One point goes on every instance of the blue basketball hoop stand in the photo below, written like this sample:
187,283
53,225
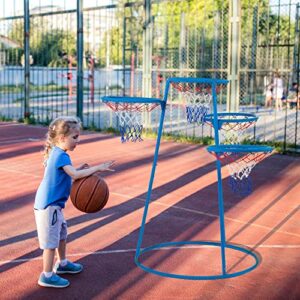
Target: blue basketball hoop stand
217,148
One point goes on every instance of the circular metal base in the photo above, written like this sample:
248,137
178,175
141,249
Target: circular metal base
196,277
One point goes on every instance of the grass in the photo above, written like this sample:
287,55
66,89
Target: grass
40,88
51,87
5,119
291,149
153,135
278,146
180,138
205,141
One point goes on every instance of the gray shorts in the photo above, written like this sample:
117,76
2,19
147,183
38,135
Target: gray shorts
51,226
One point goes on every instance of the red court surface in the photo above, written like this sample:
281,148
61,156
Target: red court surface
184,207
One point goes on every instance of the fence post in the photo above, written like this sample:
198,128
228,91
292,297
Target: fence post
253,57
147,50
182,46
297,53
79,102
234,49
26,60
124,54
216,41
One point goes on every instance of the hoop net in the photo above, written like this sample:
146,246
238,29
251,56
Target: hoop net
231,128
197,98
131,107
130,118
240,165
130,126
239,159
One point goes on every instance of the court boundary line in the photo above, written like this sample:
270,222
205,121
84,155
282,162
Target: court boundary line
120,251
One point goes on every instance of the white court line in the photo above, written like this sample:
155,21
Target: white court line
210,215
20,141
20,172
15,261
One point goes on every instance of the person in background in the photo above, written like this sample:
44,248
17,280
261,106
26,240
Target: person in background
293,98
268,93
277,92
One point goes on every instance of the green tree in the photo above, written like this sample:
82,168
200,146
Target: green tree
16,32
112,45
49,48
46,46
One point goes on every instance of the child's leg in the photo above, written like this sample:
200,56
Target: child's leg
278,103
47,277
61,250
63,266
268,101
48,259
48,228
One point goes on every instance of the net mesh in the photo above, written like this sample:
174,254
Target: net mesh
197,99
131,107
130,126
241,187
231,131
130,118
240,165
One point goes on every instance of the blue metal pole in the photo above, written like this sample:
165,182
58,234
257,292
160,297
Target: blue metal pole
221,216
142,229
220,187
26,60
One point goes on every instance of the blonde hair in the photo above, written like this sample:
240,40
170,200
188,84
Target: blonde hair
59,126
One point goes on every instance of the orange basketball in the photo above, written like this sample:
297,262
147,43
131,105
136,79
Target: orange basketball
89,194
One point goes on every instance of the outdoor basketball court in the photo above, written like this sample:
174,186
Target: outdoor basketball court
184,207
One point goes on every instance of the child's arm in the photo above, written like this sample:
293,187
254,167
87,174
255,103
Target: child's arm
84,166
76,174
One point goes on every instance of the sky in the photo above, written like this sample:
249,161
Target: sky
14,7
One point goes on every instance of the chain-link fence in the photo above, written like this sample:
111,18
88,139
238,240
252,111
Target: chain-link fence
189,39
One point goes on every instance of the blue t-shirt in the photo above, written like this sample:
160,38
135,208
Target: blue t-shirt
56,185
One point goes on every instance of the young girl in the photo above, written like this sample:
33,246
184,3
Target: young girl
51,196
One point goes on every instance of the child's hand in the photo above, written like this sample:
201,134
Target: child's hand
84,166
106,166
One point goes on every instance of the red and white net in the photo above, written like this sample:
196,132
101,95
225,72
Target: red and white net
130,118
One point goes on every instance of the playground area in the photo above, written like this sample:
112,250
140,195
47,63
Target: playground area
184,207
213,217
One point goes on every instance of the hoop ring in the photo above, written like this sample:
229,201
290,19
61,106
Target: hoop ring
224,117
122,99
239,148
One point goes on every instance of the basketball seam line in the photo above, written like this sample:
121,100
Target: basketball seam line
106,197
78,189
92,194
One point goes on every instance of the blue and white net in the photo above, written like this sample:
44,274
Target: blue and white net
197,106
130,126
197,100
240,165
